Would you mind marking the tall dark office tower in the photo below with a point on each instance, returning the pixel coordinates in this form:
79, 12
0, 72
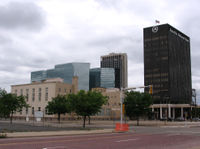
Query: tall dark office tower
167, 64
119, 62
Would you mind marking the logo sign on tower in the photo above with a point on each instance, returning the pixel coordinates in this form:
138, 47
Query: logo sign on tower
155, 29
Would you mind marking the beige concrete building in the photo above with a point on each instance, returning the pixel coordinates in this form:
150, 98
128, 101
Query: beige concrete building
38, 94
112, 109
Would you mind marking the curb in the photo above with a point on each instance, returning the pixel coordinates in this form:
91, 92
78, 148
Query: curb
56, 133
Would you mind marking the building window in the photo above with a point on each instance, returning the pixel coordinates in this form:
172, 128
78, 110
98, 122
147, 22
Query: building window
33, 94
27, 94
59, 89
26, 110
15, 91
39, 94
70, 91
39, 108
32, 110
65, 90
46, 94
46, 111
21, 92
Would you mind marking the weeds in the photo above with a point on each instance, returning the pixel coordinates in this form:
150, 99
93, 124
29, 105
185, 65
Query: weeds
3, 135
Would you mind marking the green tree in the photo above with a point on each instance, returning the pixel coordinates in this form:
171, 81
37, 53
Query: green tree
87, 104
3, 113
137, 104
2, 92
11, 103
195, 112
59, 105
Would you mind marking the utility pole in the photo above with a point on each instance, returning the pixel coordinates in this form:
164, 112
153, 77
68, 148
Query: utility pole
195, 102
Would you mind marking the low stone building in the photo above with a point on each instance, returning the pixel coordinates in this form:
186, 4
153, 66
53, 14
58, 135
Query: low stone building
111, 110
38, 94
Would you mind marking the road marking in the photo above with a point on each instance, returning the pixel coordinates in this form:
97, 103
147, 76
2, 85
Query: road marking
183, 132
127, 140
55, 147
176, 134
190, 132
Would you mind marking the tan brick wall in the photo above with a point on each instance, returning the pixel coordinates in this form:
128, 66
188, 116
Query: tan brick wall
54, 88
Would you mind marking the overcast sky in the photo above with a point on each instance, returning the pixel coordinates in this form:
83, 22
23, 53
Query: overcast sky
37, 34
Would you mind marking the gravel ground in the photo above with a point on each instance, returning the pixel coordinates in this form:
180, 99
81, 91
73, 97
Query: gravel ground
24, 127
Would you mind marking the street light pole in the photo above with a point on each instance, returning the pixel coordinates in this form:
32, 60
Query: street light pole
121, 100
195, 101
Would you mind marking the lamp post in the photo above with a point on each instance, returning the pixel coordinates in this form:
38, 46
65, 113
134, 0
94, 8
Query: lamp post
195, 102
121, 101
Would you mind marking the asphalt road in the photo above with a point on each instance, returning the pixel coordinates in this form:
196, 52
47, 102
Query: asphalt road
140, 138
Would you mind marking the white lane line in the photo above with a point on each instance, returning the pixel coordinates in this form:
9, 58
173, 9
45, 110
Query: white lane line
127, 140
55, 147
183, 132
175, 134
190, 132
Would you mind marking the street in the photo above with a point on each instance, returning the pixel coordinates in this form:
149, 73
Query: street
140, 138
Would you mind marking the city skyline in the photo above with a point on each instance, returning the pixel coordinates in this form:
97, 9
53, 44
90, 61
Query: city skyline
37, 35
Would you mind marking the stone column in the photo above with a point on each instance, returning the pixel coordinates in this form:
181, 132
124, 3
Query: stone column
181, 112
152, 109
169, 110
173, 110
160, 112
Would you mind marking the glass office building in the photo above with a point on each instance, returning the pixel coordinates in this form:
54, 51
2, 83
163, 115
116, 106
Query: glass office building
66, 72
38, 76
102, 77
119, 62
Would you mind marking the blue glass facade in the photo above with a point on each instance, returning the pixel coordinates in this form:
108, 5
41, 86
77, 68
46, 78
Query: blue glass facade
38, 76
66, 72
102, 77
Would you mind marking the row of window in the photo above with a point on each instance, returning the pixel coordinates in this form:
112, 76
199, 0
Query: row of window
115, 104
33, 94
65, 90
156, 75
157, 80
33, 110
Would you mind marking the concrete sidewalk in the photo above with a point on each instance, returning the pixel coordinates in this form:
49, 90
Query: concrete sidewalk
57, 133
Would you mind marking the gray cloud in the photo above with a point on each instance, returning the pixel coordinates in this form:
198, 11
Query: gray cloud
84, 31
4, 40
21, 15
196, 62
